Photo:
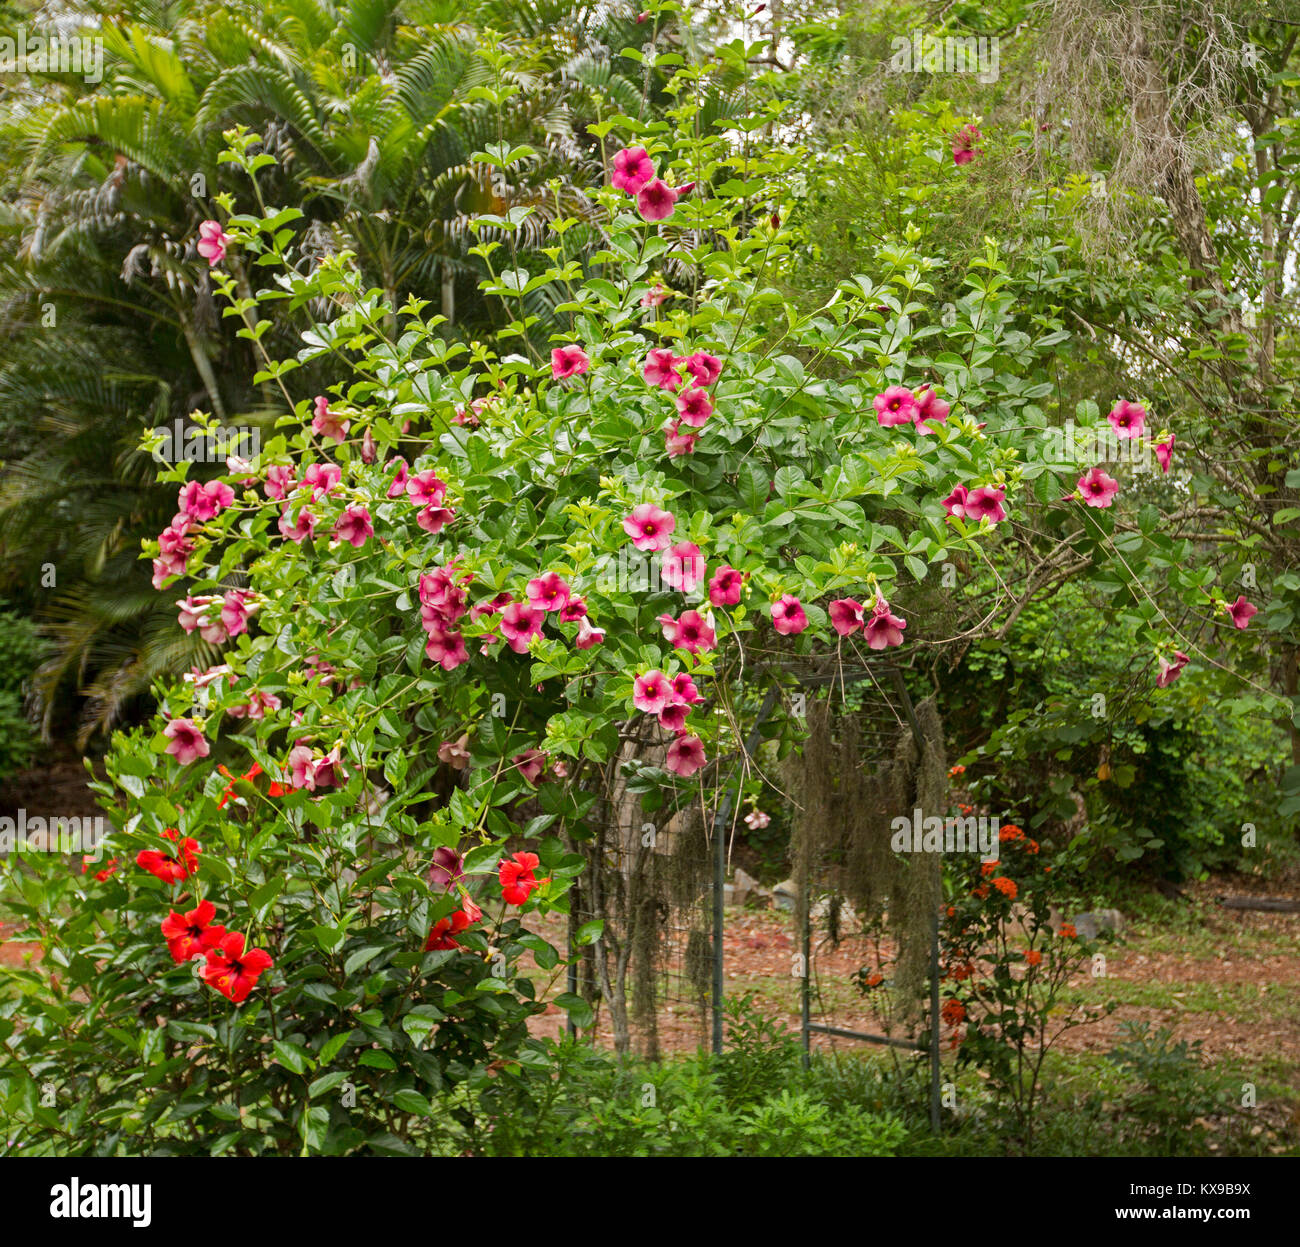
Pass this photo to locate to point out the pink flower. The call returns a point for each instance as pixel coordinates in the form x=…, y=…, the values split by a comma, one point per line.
x=568, y=361
x=685, y=756
x=929, y=406
x=236, y=608
x=1170, y=671
x=493, y=606
x=279, y=481
x=299, y=528
x=327, y=423
x=694, y=407
x=1098, y=489
x=705, y=368
x=321, y=478
x=788, y=616
x=426, y=489
x=447, y=869
x=692, y=633
x=656, y=200
x=651, y=692
x=548, y=593
x=673, y=716
x=1165, y=452
x=1242, y=612
x=329, y=772
x=684, y=690
x=368, y=448
x=588, y=636
x=433, y=519
x=520, y=622
x=649, y=527
x=677, y=442
x=655, y=296
x=883, y=629
x=200, y=503
x=302, y=767
x=441, y=593
x=257, y=706
x=963, y=145
x=955, y=502
x=455, y=755
x=661, y=369
x=397, y=486
x=726, y=586
x=846, y=616
x=756, y=819
x=530, y=764
x=1127, y=418
x=187, y=743
x=682, y=567
x=633, y=168
x=166, y=567
x=213, y=241
x=445, y=648
x=985, y=503
x=573, y=610
x=354, y=526
x=897, y=405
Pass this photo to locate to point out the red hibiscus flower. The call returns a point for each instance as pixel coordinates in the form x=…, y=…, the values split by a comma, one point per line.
x=234, y=970
x=191, y=933
x=440, y=937
x=171, y=869
x=517, y=877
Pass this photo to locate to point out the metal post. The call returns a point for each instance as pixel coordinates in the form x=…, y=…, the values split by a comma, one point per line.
x=805, y=987
x=934, y=1022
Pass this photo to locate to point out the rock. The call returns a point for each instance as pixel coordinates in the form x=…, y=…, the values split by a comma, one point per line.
x=1090, y=925
x=785, y=894
x=745, y=886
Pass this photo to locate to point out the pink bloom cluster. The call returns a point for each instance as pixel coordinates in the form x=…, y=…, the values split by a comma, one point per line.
x=186, y=742
x=898, y=405
x=217, y=619
x=310, y=770
x=634, y=172
x=663, y=370
x=442, y=604
x=982, y=503
x=882, y=629
x=671, y=700
x=964, y=148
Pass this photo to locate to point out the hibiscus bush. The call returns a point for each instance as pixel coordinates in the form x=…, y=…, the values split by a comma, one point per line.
x=446, y=595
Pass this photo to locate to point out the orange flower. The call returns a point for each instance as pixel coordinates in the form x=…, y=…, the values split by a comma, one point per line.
x=952, y=911
x=1067, y=931
x=873, y=980
x=1033, y=957
x=963, y=970
x=987, y=868
x=965, y=809
x=1006, y=887
x=953, y=1012
x=1031, y=846
x=1010, y=832
x=957, y=770
x=980, y=892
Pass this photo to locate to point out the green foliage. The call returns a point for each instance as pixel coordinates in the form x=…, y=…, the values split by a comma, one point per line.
x=20, y=652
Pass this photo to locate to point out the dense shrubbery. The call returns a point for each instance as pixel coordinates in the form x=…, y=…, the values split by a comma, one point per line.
x=20, y=652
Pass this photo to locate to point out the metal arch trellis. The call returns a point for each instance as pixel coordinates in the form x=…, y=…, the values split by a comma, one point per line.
x=894, y=713
x=846, y=678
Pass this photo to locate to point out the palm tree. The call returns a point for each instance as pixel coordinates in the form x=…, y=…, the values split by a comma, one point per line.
x=370, y=108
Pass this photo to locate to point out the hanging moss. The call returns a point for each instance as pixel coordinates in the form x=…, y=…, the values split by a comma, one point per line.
x=847, y=796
